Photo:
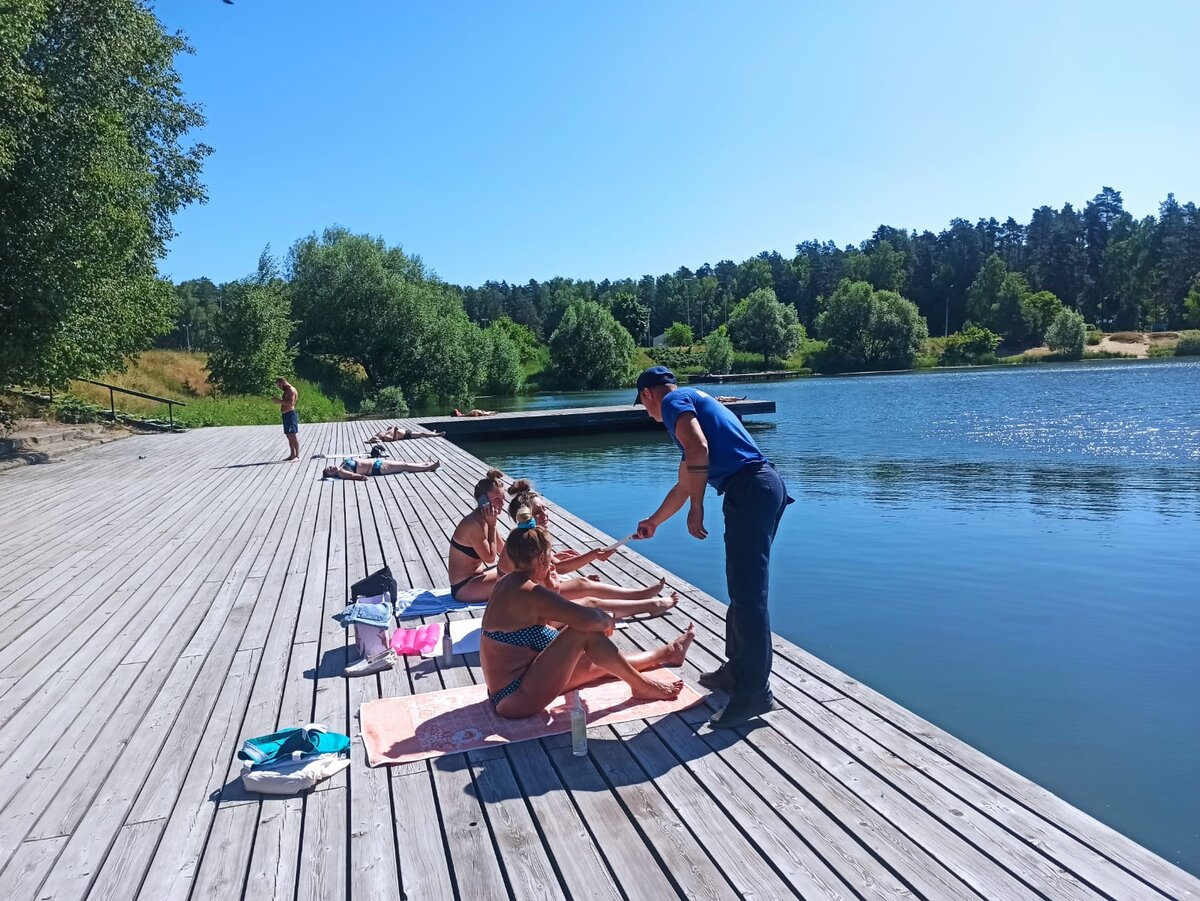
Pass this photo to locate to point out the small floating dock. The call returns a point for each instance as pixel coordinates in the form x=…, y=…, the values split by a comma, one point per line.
x=169, y=595
x=766, y=376
x=573, y=421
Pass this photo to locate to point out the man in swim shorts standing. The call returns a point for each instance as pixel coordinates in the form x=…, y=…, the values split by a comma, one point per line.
x=718, y=451
x=291, y=419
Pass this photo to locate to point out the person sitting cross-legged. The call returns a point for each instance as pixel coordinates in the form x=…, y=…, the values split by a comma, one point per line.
x=527, y=662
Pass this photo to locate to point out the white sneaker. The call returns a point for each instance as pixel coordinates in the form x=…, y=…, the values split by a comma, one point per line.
x=377, y=664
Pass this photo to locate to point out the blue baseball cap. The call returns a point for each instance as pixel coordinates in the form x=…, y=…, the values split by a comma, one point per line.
x=655, y=375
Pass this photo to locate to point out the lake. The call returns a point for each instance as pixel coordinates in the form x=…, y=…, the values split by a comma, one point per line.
x=1010, y=553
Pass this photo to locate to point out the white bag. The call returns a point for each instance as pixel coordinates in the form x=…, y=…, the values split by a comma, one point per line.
x=293, y=776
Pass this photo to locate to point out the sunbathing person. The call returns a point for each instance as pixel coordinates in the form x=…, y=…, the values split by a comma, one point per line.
x=726, y=399
x=527, y=663
x=359, y=469
x=589, y=591
x=395, y=433
x=475, y=545
x=458, y=412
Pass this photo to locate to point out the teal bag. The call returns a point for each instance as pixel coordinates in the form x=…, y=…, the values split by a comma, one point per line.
x=292, y=744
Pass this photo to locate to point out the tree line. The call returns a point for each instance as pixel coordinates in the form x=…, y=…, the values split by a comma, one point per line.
x=1119, y=272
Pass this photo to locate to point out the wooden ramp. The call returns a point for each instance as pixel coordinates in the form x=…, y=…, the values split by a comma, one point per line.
x=166, y=596
x=575, y=421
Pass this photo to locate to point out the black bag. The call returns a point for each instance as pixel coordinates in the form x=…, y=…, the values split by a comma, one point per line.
x=379, y=582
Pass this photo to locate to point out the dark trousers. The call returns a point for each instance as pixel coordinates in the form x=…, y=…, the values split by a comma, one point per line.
x=755, y=498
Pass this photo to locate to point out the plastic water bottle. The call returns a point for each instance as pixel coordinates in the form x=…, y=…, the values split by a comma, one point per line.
x=578, y=728
x=447, y=647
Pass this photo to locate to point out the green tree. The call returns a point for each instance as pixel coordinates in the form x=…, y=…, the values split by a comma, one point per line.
x=869, y=329
x=92, y=170
x=761, y=324
x=679, y=334
x=718, y=352
x=1066, y=334
x=503, y=369
x=252, y=340
x=984, y=294
x=359, y=301
x=1040, y=310
x=631, y=313
x=1191, y=303
x=522, y=336
x=1010, y=315
x=590, y=349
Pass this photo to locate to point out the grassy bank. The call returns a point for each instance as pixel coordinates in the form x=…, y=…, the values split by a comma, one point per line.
x=181, y=376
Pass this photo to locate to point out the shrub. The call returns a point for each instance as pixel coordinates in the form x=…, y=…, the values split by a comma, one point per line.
x=678, y=358
x=1093, y=338
x=1065, y=334
x=8, y=420
x=68, y=408
x=1189, y=344
x=1126, y=337
x=390, y=402
x=972, y=346
x=679, y=335
x=718, y=352
x=251, y=409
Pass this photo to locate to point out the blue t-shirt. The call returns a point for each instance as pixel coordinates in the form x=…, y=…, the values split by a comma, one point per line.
x=730, y=446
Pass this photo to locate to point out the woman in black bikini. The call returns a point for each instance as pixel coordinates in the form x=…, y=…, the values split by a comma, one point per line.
x=395, y=433
x=527, y=663
x=474, y=546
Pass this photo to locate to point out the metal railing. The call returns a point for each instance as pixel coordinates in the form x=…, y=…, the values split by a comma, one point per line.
x=112, y=403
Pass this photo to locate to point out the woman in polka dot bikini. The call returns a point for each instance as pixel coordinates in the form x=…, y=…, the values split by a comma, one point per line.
x=527, y=663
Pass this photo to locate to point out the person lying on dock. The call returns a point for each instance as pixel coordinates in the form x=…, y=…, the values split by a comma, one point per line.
x=395, y=433
x=527, y=663
x=590, y=591
x=359, y=469
x=475, y=546
x=726, y=399
x=458, y=412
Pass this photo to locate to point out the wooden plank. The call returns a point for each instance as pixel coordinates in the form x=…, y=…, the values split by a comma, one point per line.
x=324, y=847
x=28, y=867
x=272, y=867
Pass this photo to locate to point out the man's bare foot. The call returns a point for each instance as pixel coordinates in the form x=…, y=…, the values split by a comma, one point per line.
x=676, y=651
x=657, y=688
x=432, y=466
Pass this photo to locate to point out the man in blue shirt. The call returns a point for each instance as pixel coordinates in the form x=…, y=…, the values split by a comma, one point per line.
x=718, y=451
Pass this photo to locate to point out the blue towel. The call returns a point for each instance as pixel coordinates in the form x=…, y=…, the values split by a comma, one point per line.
x=416, y=602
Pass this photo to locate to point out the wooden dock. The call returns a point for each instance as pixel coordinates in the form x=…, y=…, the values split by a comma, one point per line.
x=575, y=421
x=165, y=596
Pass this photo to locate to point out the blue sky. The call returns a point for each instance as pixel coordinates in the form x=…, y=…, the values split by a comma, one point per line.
x=522, y=140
